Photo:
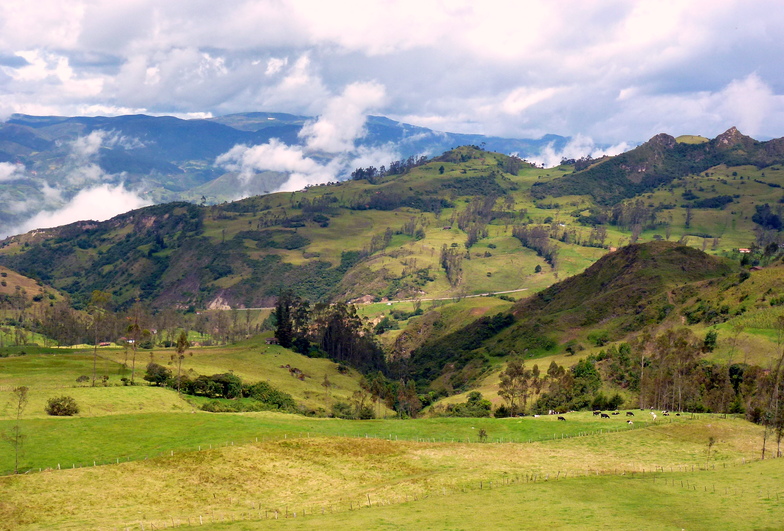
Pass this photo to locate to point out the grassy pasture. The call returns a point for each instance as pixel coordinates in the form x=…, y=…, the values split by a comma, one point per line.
x=741, y=498
x=132, y=425
x=336, y=473
x=56, y=369
x=252, y=361
x=100, y=401
x=255, y=362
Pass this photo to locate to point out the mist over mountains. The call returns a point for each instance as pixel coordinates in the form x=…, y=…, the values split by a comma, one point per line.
x=56, y=170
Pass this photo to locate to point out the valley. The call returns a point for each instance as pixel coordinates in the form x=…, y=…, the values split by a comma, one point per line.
x=386, y=351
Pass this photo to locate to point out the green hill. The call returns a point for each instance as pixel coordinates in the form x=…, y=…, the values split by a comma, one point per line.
x=622, y=293
x=431, y=232
x=658, y=162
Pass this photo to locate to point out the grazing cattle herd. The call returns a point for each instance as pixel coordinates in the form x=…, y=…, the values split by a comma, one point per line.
x=603, y=415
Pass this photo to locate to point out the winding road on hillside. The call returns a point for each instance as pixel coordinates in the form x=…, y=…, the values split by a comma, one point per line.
x=488, y=294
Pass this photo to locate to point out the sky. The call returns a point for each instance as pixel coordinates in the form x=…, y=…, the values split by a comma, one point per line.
x=609, y=72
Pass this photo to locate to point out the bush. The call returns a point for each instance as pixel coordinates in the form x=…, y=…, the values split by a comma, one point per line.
x=502, y=412
x=157, y=374
x=264, y=392
x=63, y=406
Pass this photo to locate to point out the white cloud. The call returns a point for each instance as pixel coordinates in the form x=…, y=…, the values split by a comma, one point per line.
x=86, y=147
x=98, y=204
x=10, y=171
x=303, y=170
x=333, y=134
x=748, y=103
x=275, y=65
x=503, y=67
x=365, y=157
x=522, y=98
x=578, y=147
x=343, y=120
x=272, y=156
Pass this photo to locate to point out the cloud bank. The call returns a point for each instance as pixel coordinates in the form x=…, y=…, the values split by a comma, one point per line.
x=98, y=203
x=331, y=137
x=10, y=171
x=612, y=70
x=85, y=191
x=578, y=147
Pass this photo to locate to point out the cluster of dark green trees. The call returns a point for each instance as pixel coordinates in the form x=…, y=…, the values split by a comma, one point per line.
x=59, y=323
x=537, y=239
x=333, y=331
x=224, y=385
x=398, y=167
x=377, y=390
x=337, y=332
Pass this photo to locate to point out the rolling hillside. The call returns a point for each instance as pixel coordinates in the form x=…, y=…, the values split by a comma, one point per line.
x=167, y=159
x=658, y=162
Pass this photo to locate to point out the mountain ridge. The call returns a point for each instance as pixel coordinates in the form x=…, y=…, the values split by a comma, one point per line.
x=659, y=161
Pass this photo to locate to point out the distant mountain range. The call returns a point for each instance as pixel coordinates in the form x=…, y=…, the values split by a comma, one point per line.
x=170, y=159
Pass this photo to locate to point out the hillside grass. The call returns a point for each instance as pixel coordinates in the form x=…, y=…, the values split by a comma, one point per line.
x=253, y=361
x=104, y=433
x=58, y=369
x=668, y=501
x=336, y=473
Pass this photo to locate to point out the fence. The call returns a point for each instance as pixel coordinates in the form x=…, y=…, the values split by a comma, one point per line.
x=390, y=437
x=248, y=510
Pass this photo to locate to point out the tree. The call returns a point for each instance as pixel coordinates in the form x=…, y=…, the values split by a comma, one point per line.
x=737, y=330
x=157, y=374
x=134, y=333
x=327, y=385
x=62, y=406
x=515, y=386
x=774, y=417
x=98, y=302
x=408, y=402
x=181, y=345
x=709, y=343
x=284, y=332
x=15, y=436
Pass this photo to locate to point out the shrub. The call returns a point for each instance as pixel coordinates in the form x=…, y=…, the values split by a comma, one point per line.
x=157, y=374
x=62, y=406
x=264, y=392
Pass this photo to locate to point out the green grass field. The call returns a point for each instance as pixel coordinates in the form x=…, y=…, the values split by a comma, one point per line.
x=140, y=456
x=407, y=483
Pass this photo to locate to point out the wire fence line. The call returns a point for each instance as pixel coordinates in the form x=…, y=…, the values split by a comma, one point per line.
x=103, y=461
x=238, y=509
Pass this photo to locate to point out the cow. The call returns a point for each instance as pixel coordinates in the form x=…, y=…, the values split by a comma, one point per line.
x=653, y=415
x=630, y=423
x=561, y=418
x=630, y=413
x=605, y=416
x=596, y=413
x=616, y=412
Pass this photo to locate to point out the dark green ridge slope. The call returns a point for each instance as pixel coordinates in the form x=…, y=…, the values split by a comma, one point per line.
x=659, y=161
x=622, y=286
x=621, y=293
